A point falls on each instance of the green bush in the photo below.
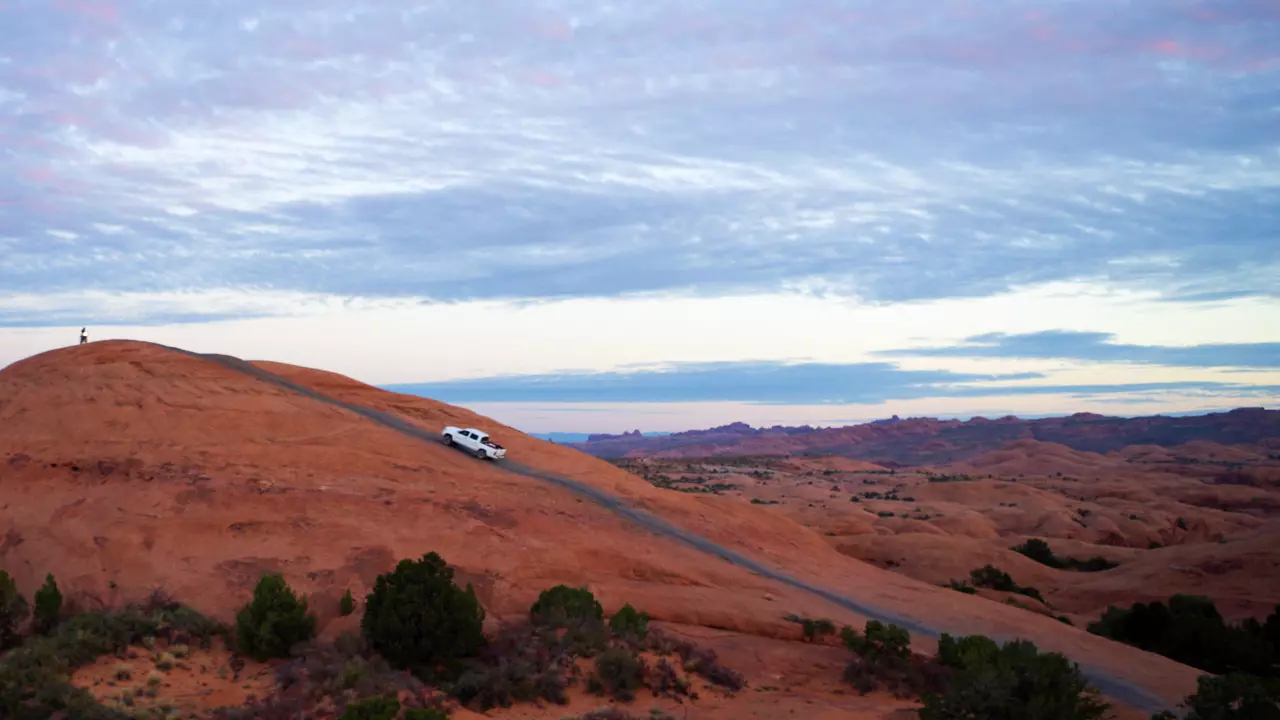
(813, 629)
(374, 708)
(1040, 551)
(347, 604)
(627, 623)
(275, 621)
(1010, 682)
(419, 620)
(993, 578)
(13, 611)
(48, 606)
(1190, 630)
(1231, 697)
(882, 657)
(561, 605)
(619, 672)
(878, 642)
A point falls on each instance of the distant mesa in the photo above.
(898, 442)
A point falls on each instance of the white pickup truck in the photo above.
(474, 441)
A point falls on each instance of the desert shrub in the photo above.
(13, 611)
(881, 658)
(319, 675)
(48, 606)
(420, 620)
(1236, 696)
(1039, 550)
(35, 677)
(813, 629)
(562, 605)
(962, 586)
(347, 604)
(619, 673)
(628, 623)
(1190, 630)
(1097, 563)
(508, 681)
(664, 681)
(702, 662)
(1009, 682)
(274, 621)
(993, 578)
(373, 708)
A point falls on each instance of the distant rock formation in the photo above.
(921, 441)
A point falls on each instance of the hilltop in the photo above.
(129, 468)
(927, 441)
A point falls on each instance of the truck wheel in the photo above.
(480, 453)
(448, 439)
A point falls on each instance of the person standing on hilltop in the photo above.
(84, 336)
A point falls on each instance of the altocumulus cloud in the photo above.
(1100, 347)
(506, 149)
(784, 383)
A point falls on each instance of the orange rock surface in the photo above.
(127, 467)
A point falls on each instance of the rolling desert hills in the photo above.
(1199, 518)
(129, 467)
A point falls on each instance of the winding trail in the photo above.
(1121, 690)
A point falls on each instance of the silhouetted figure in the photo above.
(84, 336)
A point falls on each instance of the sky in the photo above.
(647, 214)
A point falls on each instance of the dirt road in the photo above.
(1119, 689)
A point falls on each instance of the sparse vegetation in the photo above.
(48, 606)
(538, 659)
(562, 605)
(1039, 550)
(341, 674)
(882, 658)
(372, 708)
(274, 621)
(1192, 631)
(1236, 696)
(813, 629)
(993, 578)
(961, 586)
(347, 604)
(35, 676)
(619, 673)
(949, 478)
(13, 611)
(1008, 682)
(419, 620)
(627, 623)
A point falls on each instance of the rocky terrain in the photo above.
(1199, 518)
(921, 441)
(129, 468)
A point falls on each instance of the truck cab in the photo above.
(474, 441)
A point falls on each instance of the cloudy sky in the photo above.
(604, 215)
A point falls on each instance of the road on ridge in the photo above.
(1119, 689)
